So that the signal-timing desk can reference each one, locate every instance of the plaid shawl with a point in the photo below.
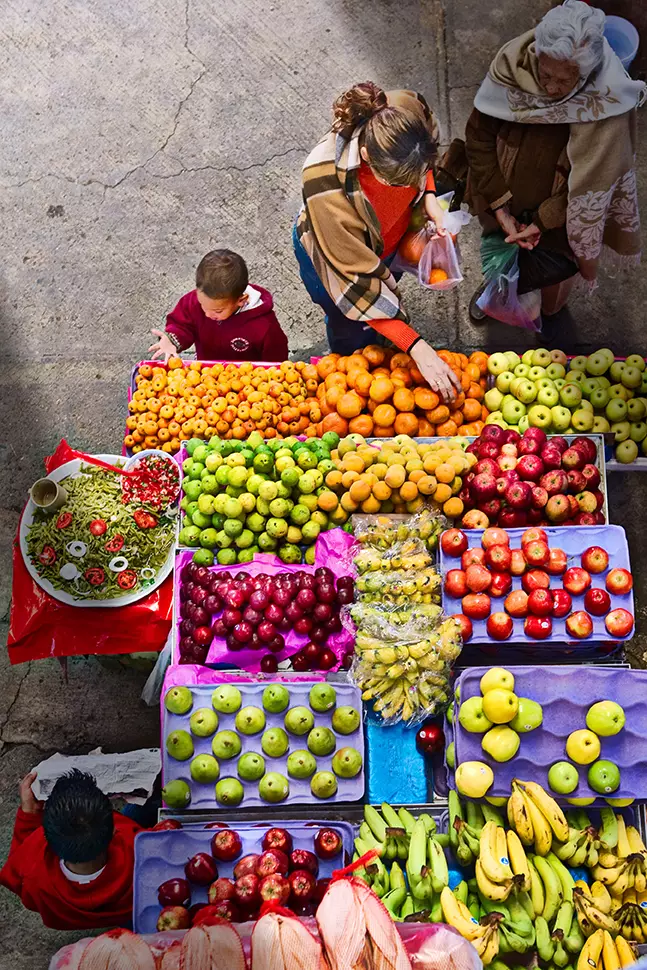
(338, 227)
(601, 111)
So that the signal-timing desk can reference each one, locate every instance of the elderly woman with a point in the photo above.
(550, 145)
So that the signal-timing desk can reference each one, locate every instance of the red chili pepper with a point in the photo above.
(95, 576)
(115, 544)
(127, 579)
(98, 527)
(154, 482)
(47, 556)
(64, 519)
(144, 519)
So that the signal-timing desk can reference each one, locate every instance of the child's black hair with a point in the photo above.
(77, 818)
(222, 274)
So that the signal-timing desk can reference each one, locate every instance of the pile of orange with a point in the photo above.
(377, 392)
(175, 402)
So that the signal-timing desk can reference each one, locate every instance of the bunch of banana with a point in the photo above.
(625, 866)
(536, 816)
(602, 951)
(495, 875)
(427, 869)
(590, 916)
(483, 934)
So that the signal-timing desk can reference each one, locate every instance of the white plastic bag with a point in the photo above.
(501, 301)
(440, 253)
(401, 262)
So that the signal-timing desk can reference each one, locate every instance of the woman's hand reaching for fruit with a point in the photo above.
(435, 371)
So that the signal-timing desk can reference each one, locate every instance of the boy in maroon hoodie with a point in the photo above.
(225, 317)
(72, 861)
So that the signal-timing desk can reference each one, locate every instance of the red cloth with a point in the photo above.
(33, 872)
(41, 627)
(392, 206)
(248, 335)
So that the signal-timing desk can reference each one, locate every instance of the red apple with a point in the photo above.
(509, 448)
(483, 487)
(274, 860)
(166, 825)
(476, 605)
(579, 625)
(491, 508)
(576, 580)
(173, 918)
(576, 482)
(328, 843)
(540, 602)
(516, 603)
(302, 859)
(201, 869)
(487, 466)
(557, 562)
(223, 909)
(535, 434)
(488, 449)
(539, 497)
(499, 626)
(478, 578)
(519, 496)
(559, 442)
(538, 627)
(465, 624)
(475, 520)
(506, 463)
(455, 583)
(529, 448)
(276, 888)
(555, 482)
(174, 892)
(530, 467)
(246, 865)
(506, 478)
(302, 885)
(221, 889)
(536, 553)
(499, 558)
(595, 559)
(619, 623)
(557, 509)
(430, 738)
(597, 601)
(518, 563)
(247, 891)
(573, 506)
(572, 458)
(512, 518)
(493, 432)
(586, 446)
(475, 555)
(534, 515)
(586, 501)
(562, 603)
(226, 845)
(501, 584)
(453, 542)
(551, 456)
(535, 579)
(277, 839)
(619, 581)
(591, 476)
(534, 535)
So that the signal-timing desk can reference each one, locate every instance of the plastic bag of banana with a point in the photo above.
(382, 532)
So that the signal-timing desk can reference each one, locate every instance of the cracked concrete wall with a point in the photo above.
(136, 136)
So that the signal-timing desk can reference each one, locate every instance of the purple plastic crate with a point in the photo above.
(574, 540)
(203, 795)
(162, 855)
(565, 694)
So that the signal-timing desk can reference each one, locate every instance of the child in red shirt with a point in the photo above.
(225, 317)
(72, 861)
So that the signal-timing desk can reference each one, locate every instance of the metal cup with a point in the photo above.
(48, 495)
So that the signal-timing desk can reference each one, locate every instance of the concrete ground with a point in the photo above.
(136, 137)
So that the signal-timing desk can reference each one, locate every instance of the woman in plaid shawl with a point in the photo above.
(359, 186)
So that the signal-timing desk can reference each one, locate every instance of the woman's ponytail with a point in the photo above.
(356, 106)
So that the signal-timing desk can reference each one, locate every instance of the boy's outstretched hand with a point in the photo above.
(163, 348)
(28, 801)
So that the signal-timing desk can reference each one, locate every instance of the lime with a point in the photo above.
(209, 483)
(248, 455)
(233, 528)
(226, 557)
(245, 539)
(277, 528)
(227, 448)
(205, 473)
(201, 520)
(247, 501)
(222, 475)
(234, 492)
(310, 531)
(290, 476)
(262, 506)
(208, 538)
(189, 536)
(217, 521)
(284, 452)
(200, 453)
(299, 514)
(233, 508)
(265, 542)
(196, 470)
(290, 553)
(268, 491)
(237, 477)
(206, 504)
(203, 557)
(255, 522)
(326, 465)
(191, 508)
(263, 462)
(213, 461)
(274, 444)
(294, 535)
(317, 477)
(331, 439)
(283, 490)
(192, 444)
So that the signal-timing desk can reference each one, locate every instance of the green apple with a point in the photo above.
(500, 706)
(513, 358)
(541, 357)
(496, 418)
(523, 424)
(229, 791)
(570, 396)
(555, 370)
(536, 373)
(521, 370)
(582, 420)
(616, 410)
(636, 409)
(301, 764)
(323, 784)
(583, 747)
(604, 382)
(474, 779)
(632, 377)
(544, 382)
(605, 718)
(321, 741)
(540, 416)
(563, 777)
(643, 446)
(345, 720)
(616, 370)
(638, 431)
(225, 745)
(178, 700)
(528, 717)
(604, 777)
(204, 769)
(276, 698)
(620, 802)
(251, 766)
(635, 360)
(176, 793)
(273, 787)
(226, 699)
(559, 383)
(471, 716)
(449, 714)
(621, 430)
(514, 387)
(620, 391)
(600, 425)
(450, 756)
(179, 745)
(589, 385)
(585, 405)
(599, 398)
(597, 363)
(548, 397)
(513, 411)
(497, 363)
(580, 802)
(503, 381)
(275, 742)
(526, 392)
(493, 399)
(579, 363)
(322, 697)
(527, 357)
(496, 677)
(501, 743)
(250, 720)
(299, 720)
(561, 418)
(347, 763)
(203, 722)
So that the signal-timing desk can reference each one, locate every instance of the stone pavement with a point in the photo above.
(136, 137)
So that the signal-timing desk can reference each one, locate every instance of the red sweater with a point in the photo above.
(33, 872)
(248, 335)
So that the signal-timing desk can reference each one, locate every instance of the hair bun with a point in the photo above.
(356, 106)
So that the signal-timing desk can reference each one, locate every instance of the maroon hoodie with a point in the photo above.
(253, 334)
